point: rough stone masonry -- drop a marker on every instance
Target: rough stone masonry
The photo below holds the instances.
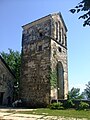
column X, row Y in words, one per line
column 44, row 69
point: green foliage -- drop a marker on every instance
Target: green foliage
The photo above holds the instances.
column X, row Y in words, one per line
column 83, row 106
column 13, row 60
column 87, row 90
column 56, row 106
column 84, row 5
column 75, row 94
column 71, row 113
column 53, row 79
column 69, row 104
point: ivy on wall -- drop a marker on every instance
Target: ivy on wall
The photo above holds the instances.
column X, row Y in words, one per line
column 53, row 79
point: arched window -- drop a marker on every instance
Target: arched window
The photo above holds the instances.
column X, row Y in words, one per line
column 63, row 37
column 60, row 81
column 56, row 31
column 59, row 49
column 65, row 40
column 59, row 31
column 40, row 33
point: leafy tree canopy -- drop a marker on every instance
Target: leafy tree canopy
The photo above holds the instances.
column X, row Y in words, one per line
column 75, row 94
column 83, row 6
column 13, row 60
column 87, row 90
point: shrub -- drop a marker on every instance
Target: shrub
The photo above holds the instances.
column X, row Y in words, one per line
column 69, row 104
column 56, row 106
column 83, row 106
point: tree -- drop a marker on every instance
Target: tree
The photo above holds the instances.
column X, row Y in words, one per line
column 13, row 60
column 83, row 6
column 87, row 90
column 75, row 94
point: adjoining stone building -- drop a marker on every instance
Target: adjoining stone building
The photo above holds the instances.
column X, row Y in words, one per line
column 44, row 57
column 7, row 79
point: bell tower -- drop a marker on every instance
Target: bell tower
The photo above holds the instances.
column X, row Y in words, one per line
column 44, row 70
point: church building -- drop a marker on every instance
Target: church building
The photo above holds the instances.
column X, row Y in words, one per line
column 44, row 68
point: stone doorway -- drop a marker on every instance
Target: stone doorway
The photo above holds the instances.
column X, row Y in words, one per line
column 1, row 97
column 60, row 81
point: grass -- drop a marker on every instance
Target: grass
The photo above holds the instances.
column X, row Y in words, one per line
column 65, row 113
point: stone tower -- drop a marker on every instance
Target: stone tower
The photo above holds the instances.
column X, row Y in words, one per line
column 44, row 70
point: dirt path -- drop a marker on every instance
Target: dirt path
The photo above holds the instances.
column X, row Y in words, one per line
column 11, row 114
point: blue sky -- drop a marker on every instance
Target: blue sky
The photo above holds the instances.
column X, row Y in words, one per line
column 15, row 13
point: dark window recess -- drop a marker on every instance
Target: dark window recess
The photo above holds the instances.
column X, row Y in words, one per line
column 1, row 97
column 65, row 41
column 40, row 48
column 60, row 50
column 59, row 36
column 46, row 29
column 40, row 34
column 56, row 31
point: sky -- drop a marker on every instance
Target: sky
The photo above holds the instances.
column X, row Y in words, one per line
column 16, row 13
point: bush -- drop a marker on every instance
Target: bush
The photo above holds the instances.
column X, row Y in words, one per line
column 69, row 104
column 56, row 106
column 83, row 106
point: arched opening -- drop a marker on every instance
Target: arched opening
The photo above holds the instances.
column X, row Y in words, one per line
column 59, row 31
column 60, row 81
column 1, row 97
column 65, row 41
column 56, row 31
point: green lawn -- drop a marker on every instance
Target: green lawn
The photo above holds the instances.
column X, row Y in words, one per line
column 66, row 113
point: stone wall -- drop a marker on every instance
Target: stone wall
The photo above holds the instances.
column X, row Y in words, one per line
column 59, row 55
column 35, row 84
column 6, row 84
column 42, row 49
